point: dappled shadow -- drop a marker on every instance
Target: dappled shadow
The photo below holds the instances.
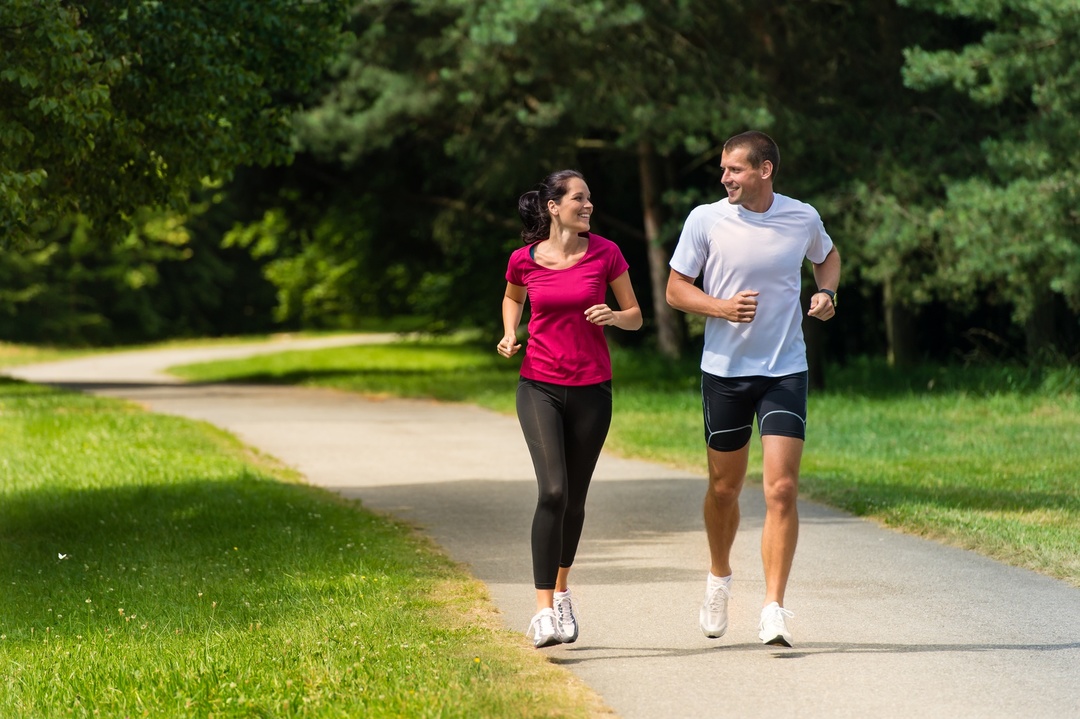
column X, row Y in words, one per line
column 114, row 386
column 12, row 388
column 804, row 650
column 635, row 530
column 644, row 530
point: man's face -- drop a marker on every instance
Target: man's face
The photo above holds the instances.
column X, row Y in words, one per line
column 748, row 186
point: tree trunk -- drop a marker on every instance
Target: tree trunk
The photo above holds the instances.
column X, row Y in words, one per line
column 668, row 328
column 1040, row 326
column 899, row 330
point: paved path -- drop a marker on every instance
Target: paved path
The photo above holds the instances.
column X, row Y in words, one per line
column 885, row 625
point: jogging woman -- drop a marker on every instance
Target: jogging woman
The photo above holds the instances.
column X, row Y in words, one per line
column 564, row 393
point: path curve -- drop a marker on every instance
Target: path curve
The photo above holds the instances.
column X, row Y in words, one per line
column 886, row 625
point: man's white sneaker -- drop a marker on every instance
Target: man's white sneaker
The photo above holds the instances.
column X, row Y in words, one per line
column 565, row 621
column 774, row 629
column 713, row 614
column 542, row 628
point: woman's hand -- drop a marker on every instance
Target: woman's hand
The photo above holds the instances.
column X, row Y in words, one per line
column 601, row 315
column 508, row 346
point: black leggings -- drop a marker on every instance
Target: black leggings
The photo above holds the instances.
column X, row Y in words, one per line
column 565, row 428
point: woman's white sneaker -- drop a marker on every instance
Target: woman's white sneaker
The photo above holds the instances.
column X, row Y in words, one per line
column 542, row 628
column 565, row 621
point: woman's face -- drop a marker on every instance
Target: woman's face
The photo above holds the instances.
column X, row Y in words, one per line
column 574, row 210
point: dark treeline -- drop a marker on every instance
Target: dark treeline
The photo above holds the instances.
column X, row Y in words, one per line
column 938, row 139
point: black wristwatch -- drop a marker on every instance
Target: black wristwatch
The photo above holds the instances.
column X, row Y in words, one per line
column 830, row 293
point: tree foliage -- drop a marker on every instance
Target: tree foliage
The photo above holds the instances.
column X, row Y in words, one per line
column 1013, row 225
column 937, row 137
column 113, row 115
column 109, row 106
column 479, row 99
column 497, row 94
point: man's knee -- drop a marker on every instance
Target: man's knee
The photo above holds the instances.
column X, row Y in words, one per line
column 782, row 492
column 723, row 490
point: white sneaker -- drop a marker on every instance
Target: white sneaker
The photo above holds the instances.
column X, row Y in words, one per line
column 774, row 629
column 713, row 614
column 542, row 627
column 565, row 621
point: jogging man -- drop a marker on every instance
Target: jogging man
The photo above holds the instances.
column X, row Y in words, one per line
column 749, row 250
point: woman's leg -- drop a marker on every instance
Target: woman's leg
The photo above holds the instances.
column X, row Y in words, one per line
column 587, row 420
column 540, row 412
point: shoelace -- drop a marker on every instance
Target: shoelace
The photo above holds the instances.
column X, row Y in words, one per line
column 718, row 598
column 537, row 624
column 779, row 614
column 565, row 610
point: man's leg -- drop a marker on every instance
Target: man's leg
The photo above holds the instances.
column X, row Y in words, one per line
column 780, row 477
column 727, row 471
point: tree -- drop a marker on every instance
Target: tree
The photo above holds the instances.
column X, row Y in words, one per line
column 441, row 111
column 507, row 91
column 1014, row 229
column 109, row 106
column 114, row 114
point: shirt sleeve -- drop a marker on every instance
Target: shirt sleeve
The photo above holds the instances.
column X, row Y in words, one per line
column 514, row 270
column 617, row 264
column 820, row 244
column 693, row 247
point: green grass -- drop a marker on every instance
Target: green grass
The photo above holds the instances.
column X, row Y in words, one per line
column 154, row 567
column 993, row 471
column 444, row 369
column 981, row 457
column 13, row 354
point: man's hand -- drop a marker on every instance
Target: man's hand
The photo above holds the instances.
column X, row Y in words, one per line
column 821, row 307
column 740, row 308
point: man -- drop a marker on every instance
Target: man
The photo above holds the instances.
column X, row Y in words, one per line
column 750, row 250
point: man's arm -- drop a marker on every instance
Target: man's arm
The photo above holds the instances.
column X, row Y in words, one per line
column 684, row 295
column 827, row 276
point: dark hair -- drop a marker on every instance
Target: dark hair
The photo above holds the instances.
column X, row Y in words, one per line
column 759, row 146
column 532, row 206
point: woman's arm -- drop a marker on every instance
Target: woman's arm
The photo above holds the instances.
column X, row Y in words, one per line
column 512, row 306
column 628, row 316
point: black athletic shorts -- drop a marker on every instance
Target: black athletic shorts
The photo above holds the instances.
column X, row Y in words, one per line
column 730, row 403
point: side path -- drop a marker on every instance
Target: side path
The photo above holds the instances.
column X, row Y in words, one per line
column 885, row 625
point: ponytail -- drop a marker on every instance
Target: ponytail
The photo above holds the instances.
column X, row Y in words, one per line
column 535, row 221
column 532, row 206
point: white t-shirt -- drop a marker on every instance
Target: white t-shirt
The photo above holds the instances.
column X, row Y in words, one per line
column 742, row 250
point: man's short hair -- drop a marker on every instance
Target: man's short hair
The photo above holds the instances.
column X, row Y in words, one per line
column 759, row 146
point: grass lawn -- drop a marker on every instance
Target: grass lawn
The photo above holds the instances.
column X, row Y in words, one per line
column 983, row 458
column 12, row 354
column 154, row 567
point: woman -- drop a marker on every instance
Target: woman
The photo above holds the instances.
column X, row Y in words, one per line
column 564, row 394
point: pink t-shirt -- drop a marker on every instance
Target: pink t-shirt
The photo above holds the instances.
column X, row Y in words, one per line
column 563, row 347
